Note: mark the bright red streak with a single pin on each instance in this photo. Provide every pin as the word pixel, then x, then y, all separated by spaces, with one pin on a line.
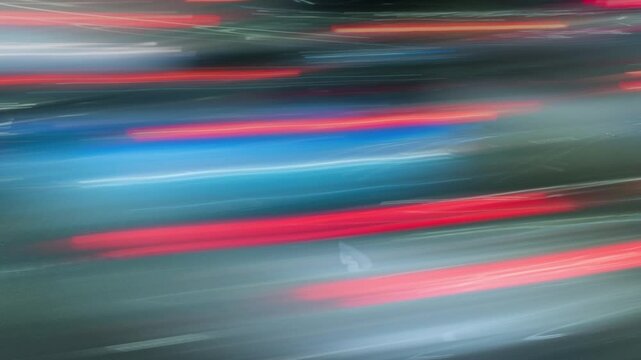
pixel 615 4
pixel 262 128
pixel 120 20
pixel 630 85
pixel 214 1
pixel 403 118
pixel 473 278
pixel 444 27
pixel 211 75
pixel 331 225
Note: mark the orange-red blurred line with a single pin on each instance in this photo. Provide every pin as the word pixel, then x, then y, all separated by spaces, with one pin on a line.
pixel 409 27
pixel 212 75
pixel 331 225
pixel 419 116
pixel 474 278
pixel 135 20
pixel 630 85
pixel 615 4
pixel 261 128
pixel 214 1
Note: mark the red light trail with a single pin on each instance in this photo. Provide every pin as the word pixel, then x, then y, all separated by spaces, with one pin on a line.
pixel 119 20
pixel 315 227
pixel 473 278
pixel 418 116
pixel 445 27
pixel 630 85
pixel 615 4
pixel 208 75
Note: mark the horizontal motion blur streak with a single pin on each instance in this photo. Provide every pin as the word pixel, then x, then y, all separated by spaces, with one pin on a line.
pixel 440 27
pixel 331 225
pixel 615 4
pixel 401 118
pixel 630 85
pixel 210 75
pixel 473 278
pixel 119 20
pixel 214 1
